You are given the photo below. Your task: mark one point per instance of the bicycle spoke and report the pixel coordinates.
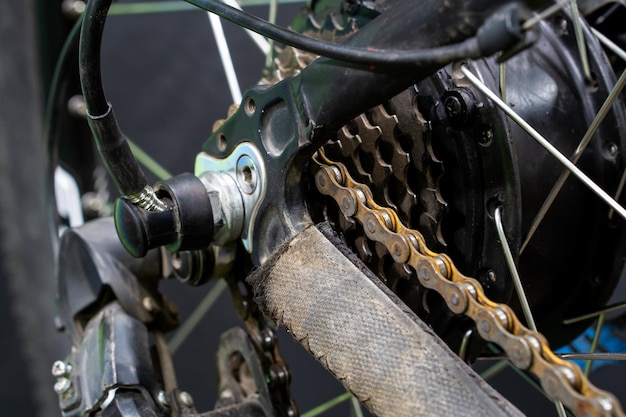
(225, 57)
(502, 68)
(259, 40)
(560, 410)
(150, 7)
(609, 44)
(148, 162)
(272, 19)
(519, 288)
(580, 40)
(328, 405)
(545, 143)
(620, 188)
(594, 343)
(595, 356)
(494, 369)
(464, 344)
(604, 110)
(205, 305)
(549, 11)
(606, 310)
(355, 407)
(147, 7)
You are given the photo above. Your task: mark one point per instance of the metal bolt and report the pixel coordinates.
(76, 105)
(491, 275)
(58, 324)
(247, 176)
(371, 225)
(73, 8)
(613, 149)
(453, 106)
(186, 399)
(486, 137)
(60, 369)
(62, 385)
(162, 399)
(149, 304)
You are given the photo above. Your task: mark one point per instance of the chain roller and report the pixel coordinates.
(496, 323)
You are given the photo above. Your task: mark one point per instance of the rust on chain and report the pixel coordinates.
(496, 322)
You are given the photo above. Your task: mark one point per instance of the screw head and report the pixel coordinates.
(149, 304)
(60, 369)
(247, 176)
(186, 399)
(453, 106)
(162, 399)
(62, 385)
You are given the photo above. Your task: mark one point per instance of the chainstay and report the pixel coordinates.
(497, 323)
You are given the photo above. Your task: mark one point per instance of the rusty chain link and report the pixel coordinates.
(497, 323)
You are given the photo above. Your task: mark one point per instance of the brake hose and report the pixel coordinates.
(483, 44)
(111, 143)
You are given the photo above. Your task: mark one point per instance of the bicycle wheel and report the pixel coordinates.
(25, 248)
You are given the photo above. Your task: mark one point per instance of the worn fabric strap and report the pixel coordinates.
(362, 333)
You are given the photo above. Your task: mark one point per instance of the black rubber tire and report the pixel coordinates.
(25, 245)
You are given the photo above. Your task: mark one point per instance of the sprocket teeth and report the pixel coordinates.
(388, 149)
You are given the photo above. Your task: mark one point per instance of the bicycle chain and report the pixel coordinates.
(263, 336)
(497, 323)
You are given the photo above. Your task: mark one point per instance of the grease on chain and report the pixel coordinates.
(497, 323)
